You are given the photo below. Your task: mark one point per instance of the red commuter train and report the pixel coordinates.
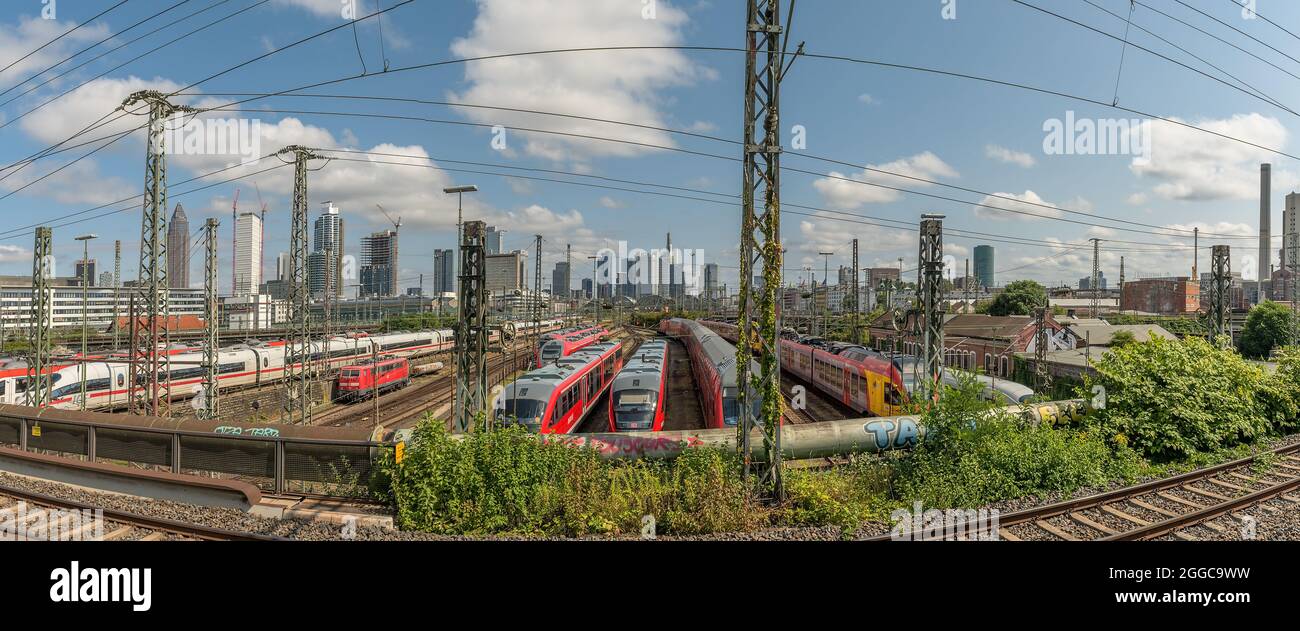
(713, 362)
(556, 398)
(565, 345)
(638, 398)
(361, 380)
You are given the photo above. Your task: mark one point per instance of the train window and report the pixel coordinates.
(2, 386)
(266, 362)
(121, 380)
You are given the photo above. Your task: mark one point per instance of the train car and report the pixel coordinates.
(713, 362)
(638, 397)
(527, 327)
(361, 380)
(860, 378)
(558, 347)
(556, 398)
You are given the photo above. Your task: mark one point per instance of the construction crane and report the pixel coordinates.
(397, 225)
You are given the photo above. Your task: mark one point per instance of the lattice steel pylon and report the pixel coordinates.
(471, 328)
(297, 364)
(760, 238)
(211, 341)
(537, 288)
(1094, 283)
(1042, 375)
(42, 319)
(930, 300)
(1220, 288)
(151, 287)
(857, 296)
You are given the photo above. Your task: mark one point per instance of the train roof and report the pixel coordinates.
(538, 383)
(719, 352)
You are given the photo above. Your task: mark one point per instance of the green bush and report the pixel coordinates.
(1174, 398)
(507, 481)
(845, 497)
(1267, 326)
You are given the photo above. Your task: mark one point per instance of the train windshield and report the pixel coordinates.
(635, 409)
(526, 412)
(552, 350)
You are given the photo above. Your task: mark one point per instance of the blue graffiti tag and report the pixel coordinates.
(900, 433)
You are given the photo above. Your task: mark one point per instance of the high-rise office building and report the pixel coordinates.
(105, 279)
(444, 281)
(325, 264)
(984, 262)
(504, 272)
(492, 243)
(282, 266)
(1291, 232)
(178, 250)
(560, 280)
(379, 264)
(711, 280)
(86, 270)
(248, 254)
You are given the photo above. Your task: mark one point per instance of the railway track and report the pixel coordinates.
(1161, 508)
(33, 515)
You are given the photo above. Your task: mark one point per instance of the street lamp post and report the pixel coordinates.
(460, 198)
(85, 284)
(826, 276)
(595, 318)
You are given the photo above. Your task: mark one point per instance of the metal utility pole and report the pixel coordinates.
(857, 297)
(460, 210)
(965, 290)
(297, 378)
(1095, 283)
(595, 318)
(151, 287)
(212, 341)
(1042, 374)
(826, 282)
(471, 328)
(85, 289)
(760, 236)
(568, 275)
(537, 287)
(1220, 292)
(117, 282)
(41, 318)
(931, 300)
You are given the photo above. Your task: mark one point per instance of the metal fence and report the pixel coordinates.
(274, 463)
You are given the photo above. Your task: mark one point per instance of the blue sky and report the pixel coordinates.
(986, 138)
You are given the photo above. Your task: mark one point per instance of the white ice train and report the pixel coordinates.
(237, 366)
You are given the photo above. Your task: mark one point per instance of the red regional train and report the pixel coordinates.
(556, 398)
(638, 398)
(362, 379)
(563, 346)
(860, 378)
(713, 361)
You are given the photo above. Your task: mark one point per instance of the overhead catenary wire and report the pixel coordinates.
(62, 35)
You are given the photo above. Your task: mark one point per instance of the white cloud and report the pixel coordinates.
(616, 85)
(867, 99)
(1027, 202)
(30, 32)
(1191, 165)
(1137, 199)
(1009, 156)
(610, 202)
(14, 253)
(838, 190)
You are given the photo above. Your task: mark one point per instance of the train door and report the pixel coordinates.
(117, 392)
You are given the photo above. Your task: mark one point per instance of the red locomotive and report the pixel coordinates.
(362, 380)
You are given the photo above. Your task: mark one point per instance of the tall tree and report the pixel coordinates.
(1018, 298)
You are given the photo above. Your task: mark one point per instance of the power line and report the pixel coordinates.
(62, 35)
(1241, 5)
(1213, 36)
(1256, 39)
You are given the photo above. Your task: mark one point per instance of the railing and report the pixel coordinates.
(258, 454)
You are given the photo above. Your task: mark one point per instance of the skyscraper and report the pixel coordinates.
(711, 280)
(248, 254)
(560, 280)
(282, 266)
(86, 270)
(326, 260)
(984, 262)
(493, 242)
(1291, 232)
(178, 250)
(443, 266)
(379, 264)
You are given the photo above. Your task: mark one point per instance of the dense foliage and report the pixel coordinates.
(1018, 298)
(1267, 326)
(508, 481)
(419, 322)
(1171, 398)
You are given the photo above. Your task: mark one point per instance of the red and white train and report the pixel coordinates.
(565, 345)
(239, 365)
(369, 378)
(713, 362)
(638, 398)
(556, 398)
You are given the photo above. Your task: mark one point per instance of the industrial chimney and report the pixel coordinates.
(1265, 236)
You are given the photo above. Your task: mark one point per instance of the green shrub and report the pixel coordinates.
(845, 497)
(1173, 398)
